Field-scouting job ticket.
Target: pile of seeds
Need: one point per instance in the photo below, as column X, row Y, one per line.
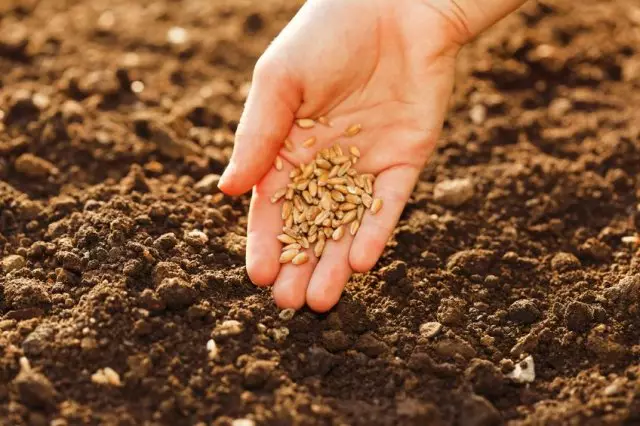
column 325, row 199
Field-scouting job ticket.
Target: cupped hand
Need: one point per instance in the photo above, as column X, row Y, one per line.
column 386, row 65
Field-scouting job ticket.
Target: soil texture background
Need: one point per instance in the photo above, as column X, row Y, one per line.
column 120, row 260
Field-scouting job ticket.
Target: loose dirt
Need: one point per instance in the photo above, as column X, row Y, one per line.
column 122, row 263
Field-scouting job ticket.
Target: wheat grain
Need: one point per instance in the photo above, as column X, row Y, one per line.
column 353, row 130
column 305, row 123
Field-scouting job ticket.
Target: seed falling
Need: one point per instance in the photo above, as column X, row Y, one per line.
column 324, row 121
column 305, row 123
column 353, row 130
column 278, row 163
column 309, row 142
column 325, row 199
column 288, row 145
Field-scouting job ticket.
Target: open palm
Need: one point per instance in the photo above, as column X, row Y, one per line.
column 387, row 66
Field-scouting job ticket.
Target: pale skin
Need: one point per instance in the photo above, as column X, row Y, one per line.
column 385, row 64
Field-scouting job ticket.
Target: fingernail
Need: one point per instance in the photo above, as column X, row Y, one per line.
column 225, row 175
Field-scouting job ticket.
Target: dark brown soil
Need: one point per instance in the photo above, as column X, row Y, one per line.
column 101, row 188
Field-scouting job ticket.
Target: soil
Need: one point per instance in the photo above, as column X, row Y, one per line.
column 121, row 260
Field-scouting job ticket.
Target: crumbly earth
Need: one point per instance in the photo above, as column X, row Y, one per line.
column 118, row 254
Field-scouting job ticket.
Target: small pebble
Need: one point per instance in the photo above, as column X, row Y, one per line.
column 430, row 329
column 287, row 314
column 453, row 192
column 524, row 371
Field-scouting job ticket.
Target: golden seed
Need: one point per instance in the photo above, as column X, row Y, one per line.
column 337, row 150
column 353, row 150
column 313, row 230
column 354, row 199
column 300, row 259
column 288, row 145
column 336, row 181
column 294, row 173
column 337, row 196
column 313, row 188
column 284, row 238
column 347, row 206
column 289, row 194
column 359, row 181
column 313, row 238
column 353, row 229
column 286, row 209
column 354, row 190
column 323, row 180
column 319, row 247
column 353, row 160
column 343, row 169
column 352, row 172
column 324, row 121
column 341, row 188
column 368, row 186
column 308, row 171
column 353, row 130
column 278, row 194
column 323, row 164
column 304, row 242
column 334, row 171
column 288, row 256
column 294, row 246
column 307, row 197
column 339, row 214
column 349, row 217
column 327, row 222
column 298, row 216
column 327, row 232
column 312, row 213
column 309, row 142
column 366, row 200
column 278, row 163
column 305, row 123
column 326, row 153
column 297, row 202
column 289, row 221
column 304, row 227
column 360, row 212
column 325, row 202
column 290, row 232
column 340, row 159
column 321, row 217
column 376, row 205
column 338, row 233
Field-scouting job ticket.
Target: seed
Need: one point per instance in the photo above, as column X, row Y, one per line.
column 324, row 121
column 304, row 227
column 337, row 196
column 294, row 246
column 327, row 232
column 341, row 188
column 278, row 163
column 337, row 150
column 353, row 229
column 360, row 212
column 289, row 194
column 353, row 130
column 319, row 247
column 323, row 180
column 349, row 217
column 352, row 172
column 288, row 145
column 286, row 209
column 278, row 194
column 300, row 259
column 354, row 190
column 284, row 238
column 354, row 151
column 313, row 238
column 368, row 186
column 313, row 229
column 359, row 181
column 309, row 142
column 297, row 202
column 326, row 153
column 341, row 159
column 304, row 242
column 339, row 214
column 308, row 171
column 354, row 199
column 305, row 123
column 347, row 206
column 294, row 173
column 338, row 233
column 343, row 169
column 336, row 181
column 334, row 171
column 298, row 216
column 327, row 222
column 288, row 256
column 321, row 217
column 323, row 164
column 290, row 232
column 325, row 202
column 307, row 197
column 289, row 221
column 313, row 188
column 366, row 200
column 376, row 205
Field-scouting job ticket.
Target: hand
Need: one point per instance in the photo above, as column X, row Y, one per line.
column 387, row 65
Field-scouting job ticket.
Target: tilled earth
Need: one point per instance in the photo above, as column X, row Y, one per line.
column 121, row 261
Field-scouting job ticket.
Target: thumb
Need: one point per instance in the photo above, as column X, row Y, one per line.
column 265, row 123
